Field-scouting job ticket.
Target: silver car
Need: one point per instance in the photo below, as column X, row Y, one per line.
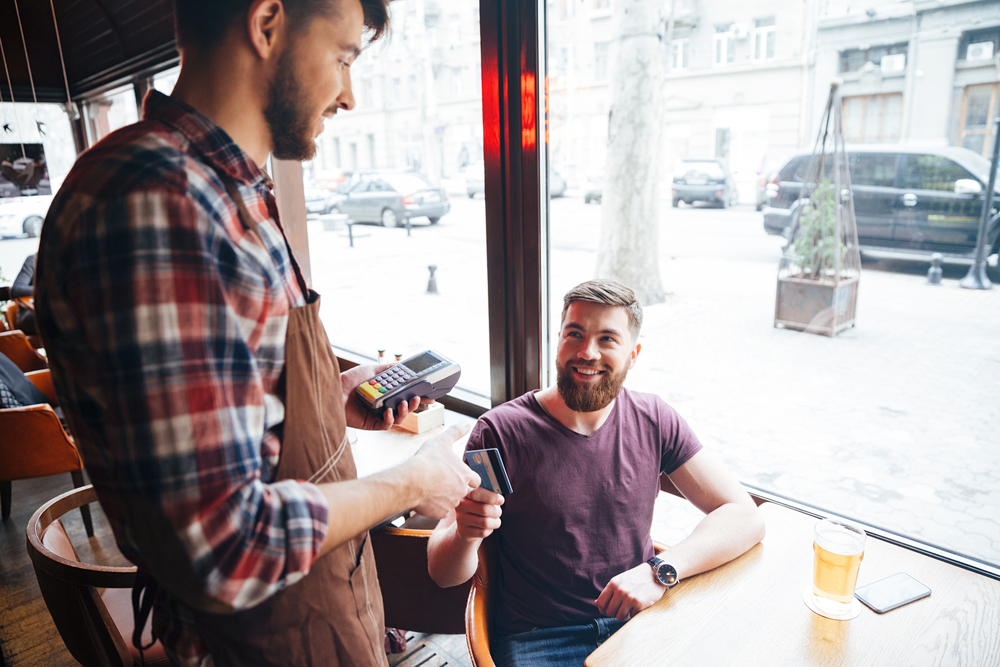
column 391, row 198
column 23, row 215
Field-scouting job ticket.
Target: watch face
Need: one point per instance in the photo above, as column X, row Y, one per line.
column 666, row 574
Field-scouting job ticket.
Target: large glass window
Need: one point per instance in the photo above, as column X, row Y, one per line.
column 980, row 105
column 110, row 111
column 877, row 423
column 395, row 197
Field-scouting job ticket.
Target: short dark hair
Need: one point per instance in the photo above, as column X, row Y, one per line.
column 607, row 292
column 202, row 24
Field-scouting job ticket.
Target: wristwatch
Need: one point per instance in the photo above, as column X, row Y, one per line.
column 665, row 573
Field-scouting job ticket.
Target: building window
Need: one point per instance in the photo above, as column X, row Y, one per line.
column 979, row 45
column 722, row 45
column 872, row 119
column 601, row 60
column 412, row 85
column 980, row 105
column 852, row 60
column 369, row 93
column 763, row 39
column 602, row 4
column 680, row 54
column 397, row 90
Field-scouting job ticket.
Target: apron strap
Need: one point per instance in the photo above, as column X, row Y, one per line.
column 251, row 224
column 144, row 592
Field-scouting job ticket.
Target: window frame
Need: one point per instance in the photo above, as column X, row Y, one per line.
column 722, row 46
column 768, row 34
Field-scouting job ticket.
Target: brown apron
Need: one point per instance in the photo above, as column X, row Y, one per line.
column 333, row 616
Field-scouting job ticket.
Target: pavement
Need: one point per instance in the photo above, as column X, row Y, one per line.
column 894, row 422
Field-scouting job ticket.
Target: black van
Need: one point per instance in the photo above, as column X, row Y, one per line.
column 907, row 199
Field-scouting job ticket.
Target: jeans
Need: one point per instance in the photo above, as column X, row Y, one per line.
column 567, row 646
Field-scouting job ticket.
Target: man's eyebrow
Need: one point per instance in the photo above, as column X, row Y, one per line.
column 579, row 327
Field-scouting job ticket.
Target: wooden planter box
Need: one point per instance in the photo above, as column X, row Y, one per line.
column 815, row 307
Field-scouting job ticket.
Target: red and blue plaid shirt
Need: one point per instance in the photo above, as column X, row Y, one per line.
column 164, row 321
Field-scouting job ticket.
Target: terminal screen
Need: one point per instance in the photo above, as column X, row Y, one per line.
column 422, row 363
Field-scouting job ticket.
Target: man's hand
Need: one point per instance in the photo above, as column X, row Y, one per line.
column 630, row 592
column 444, row 478
column 358, row 415
column 478, row 514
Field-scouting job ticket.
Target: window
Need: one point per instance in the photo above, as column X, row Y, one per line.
column 763, row 39
column 980, row 105
column 932, row 172
column 368, row 86
column 681, row 54
column 872, row 119
column 873, row 169
column 852, row 60
column 601, row 60
column 845, row 424
column 602, row 4
column 410, row 144
column 722, row 45
column 110, row 111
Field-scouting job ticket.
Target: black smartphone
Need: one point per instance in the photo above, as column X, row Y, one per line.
column 892, row 592
column 492, row 474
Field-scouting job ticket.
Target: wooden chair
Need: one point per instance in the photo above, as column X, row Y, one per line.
column 91, row 605
column 34, row 444
column 411, row 599
column 10, row 314
column 17, row 347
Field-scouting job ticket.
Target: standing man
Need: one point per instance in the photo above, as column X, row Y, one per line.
column 189, row 356
column 585, row 457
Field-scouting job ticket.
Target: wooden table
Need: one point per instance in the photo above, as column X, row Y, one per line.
column 750, row 612
column 375, row 451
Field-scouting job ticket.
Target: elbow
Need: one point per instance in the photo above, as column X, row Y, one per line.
column 756, row 526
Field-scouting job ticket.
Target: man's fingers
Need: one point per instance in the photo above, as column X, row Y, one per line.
column 485, row 496
column 603, row 598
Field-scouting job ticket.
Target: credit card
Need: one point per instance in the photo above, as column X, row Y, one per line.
column 492, row 474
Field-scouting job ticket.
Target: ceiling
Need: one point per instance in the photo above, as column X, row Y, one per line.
column 105, row 43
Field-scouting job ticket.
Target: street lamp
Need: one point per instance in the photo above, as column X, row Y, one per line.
column 976, row 278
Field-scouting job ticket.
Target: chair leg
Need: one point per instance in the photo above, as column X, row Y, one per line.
column 84, row 509
column 5, row 498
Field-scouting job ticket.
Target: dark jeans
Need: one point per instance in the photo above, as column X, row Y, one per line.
column 553, row 647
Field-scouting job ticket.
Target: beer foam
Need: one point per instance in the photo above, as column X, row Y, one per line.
column 840, row 538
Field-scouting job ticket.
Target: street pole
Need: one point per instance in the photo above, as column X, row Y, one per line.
column 976, row 278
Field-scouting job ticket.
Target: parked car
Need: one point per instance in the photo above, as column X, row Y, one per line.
column 557, row 184
column 764, row 176
column 390, row 198
column 23, row 215
column 707, row 180
column 319, row 200
column 595, row 187
column 906, row 198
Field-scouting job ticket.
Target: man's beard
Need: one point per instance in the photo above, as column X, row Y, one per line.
column 586, row 398
column 286, row 114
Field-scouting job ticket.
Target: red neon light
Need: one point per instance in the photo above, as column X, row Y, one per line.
column 528, row 120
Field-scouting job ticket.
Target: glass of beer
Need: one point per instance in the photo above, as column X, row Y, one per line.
column 839, row 546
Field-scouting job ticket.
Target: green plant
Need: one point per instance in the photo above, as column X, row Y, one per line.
column 816, row 239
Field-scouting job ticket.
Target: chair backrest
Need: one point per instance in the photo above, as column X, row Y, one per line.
column 412, row 600
column 479, row 607
column 34, row 444
column 16, row 347
column 10, row 314
column 70, row 587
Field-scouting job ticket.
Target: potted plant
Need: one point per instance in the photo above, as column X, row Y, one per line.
column 820, row 270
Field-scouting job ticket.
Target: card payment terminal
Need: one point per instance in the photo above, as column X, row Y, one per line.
column 429, row 374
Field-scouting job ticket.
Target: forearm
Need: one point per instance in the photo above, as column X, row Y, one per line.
column 722, row 535
column 358, row 504
column 451, row 559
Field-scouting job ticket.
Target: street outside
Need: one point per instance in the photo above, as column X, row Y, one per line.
column 893, row 422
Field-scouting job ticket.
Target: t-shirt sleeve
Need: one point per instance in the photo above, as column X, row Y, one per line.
column 677, row 441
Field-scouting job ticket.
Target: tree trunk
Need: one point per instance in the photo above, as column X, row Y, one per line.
column 629, row 249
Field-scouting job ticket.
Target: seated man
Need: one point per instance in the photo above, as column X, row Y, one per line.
column 575, row 556
column 22, row 290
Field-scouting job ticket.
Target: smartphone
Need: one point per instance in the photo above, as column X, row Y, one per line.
column 892, row 592
column 492, row 474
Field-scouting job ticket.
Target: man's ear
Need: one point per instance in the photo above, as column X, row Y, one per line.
column 635, row 355
column 265, row 20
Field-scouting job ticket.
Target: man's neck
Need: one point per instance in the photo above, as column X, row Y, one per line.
column 228, row 88
column 584, row 423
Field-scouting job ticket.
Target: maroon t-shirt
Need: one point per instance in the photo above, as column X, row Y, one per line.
column 581, row 507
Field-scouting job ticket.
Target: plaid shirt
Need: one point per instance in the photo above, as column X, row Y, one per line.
column 164, row 320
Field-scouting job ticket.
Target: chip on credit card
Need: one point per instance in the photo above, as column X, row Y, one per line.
column 487, row 463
